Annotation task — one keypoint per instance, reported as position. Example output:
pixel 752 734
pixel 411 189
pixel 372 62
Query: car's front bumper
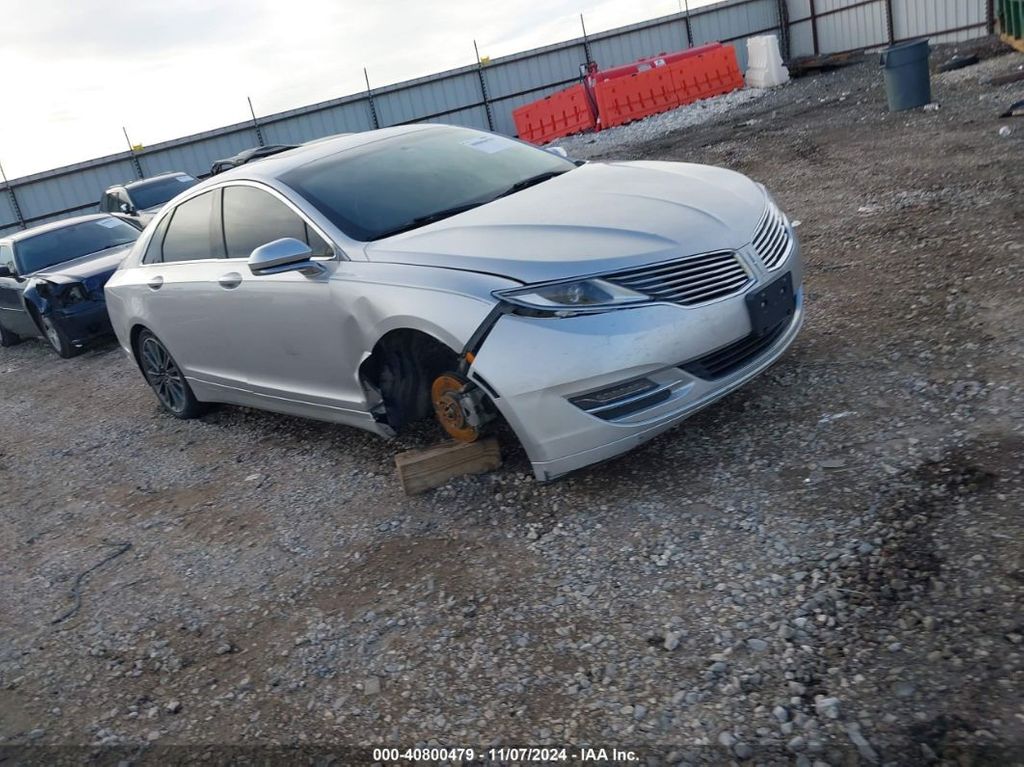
pixel 83 323
pixel 536 366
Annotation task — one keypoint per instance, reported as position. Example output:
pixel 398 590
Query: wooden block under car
pixel 421 470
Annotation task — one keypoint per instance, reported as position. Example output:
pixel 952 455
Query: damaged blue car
pixel 52 278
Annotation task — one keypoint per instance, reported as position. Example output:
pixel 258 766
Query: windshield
pixel 149 194
pixel 405 181
pixel 71 242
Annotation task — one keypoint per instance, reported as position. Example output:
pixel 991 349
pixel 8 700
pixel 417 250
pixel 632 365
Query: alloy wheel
pixel 163 375
pixel 51 333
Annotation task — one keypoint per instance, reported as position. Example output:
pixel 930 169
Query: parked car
pixel 52 277
pixel 373 278
pixel 143 199
pixel 248 155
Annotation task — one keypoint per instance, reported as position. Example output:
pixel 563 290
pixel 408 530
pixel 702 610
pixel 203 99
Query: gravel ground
pixel 824 567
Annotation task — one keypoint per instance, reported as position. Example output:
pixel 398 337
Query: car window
pixel 72 241
pixel 412 179
pixel 150 194
pixel 7 257
pixel 253 217
pixel 156 242
pixel 191 234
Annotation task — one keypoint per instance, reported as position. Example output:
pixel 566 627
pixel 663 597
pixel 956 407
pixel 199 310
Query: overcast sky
pixel 75 71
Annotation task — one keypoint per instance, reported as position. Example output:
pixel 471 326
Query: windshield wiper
pixel 429 218
pixel 531 181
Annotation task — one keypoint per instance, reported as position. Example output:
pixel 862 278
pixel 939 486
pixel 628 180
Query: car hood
pixel 596 218
pixel 81 269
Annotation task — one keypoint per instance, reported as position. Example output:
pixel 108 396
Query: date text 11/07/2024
pixel 537 754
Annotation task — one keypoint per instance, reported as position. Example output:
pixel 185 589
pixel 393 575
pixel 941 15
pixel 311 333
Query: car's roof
pixel 146 181
pixel 278 164
pixel 53 225
pixel 143 181
pixel 254 151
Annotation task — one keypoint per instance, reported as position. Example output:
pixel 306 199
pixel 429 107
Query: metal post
pixel 689 29
pixel 483 89
pixel 784 41
pixel 814 28
pixel 990 16
pixel 889 28
pixel 255 123
pixel 135 158
pixel 586 41
pixel 14 200
pixel 369 99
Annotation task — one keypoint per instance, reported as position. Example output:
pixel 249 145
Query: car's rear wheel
pixel 8 338
pixel 166 379
pixel 57 338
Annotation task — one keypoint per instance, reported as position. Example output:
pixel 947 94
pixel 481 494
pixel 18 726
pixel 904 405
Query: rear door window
pixel 194 232
pixel 253 217
pixel 154 254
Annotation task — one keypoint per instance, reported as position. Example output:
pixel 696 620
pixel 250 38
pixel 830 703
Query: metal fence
pixel 483 96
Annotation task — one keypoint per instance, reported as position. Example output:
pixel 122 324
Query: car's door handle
pixel 230 280
pixel 155 282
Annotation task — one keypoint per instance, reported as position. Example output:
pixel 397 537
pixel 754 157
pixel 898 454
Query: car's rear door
pixel 286 335
pixel 177 287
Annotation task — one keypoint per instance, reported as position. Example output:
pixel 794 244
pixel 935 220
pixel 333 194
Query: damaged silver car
pixel 376 278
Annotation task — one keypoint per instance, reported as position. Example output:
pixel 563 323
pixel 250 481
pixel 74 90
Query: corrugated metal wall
pixel 458 96
pixel 837 26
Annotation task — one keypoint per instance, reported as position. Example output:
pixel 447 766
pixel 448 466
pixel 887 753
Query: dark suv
pixel 248 155
pixel 143 199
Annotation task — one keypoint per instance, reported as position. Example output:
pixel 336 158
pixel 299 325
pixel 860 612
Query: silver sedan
pixel 378 278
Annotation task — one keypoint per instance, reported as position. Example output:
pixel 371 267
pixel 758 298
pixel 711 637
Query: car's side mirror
pixel 126 208
pixel 6 271
pixel 284 255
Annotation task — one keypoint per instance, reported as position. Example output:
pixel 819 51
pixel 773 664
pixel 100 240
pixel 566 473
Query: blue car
pixel 52 278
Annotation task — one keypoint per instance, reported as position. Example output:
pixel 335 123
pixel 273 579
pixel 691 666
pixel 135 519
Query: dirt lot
pixel 827 564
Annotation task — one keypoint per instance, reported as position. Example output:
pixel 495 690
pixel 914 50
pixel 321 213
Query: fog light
pixel 622 399
pixel 611 395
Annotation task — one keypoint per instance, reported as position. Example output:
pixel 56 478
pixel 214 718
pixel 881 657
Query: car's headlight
pixel 575 296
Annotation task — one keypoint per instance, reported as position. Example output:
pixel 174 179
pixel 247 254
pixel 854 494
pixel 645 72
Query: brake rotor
pixel 446 394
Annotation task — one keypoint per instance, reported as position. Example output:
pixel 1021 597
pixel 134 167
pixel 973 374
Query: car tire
pixel 165 378
pixel 402 388
pixel 57 338
pixel 8 338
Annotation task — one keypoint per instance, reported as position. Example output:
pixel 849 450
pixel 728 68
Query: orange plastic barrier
pixel 631 92
pixel 626 99
pixel 560 114
pixel 710 71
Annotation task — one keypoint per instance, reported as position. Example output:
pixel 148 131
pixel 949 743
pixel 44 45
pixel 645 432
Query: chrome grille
pixel 771 240
pixel 689 281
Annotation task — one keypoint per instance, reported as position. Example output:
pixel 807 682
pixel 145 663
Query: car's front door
pixel 286 334
pixel 13 315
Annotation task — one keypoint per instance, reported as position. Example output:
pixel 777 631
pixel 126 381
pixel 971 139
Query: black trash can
pixel 907 80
